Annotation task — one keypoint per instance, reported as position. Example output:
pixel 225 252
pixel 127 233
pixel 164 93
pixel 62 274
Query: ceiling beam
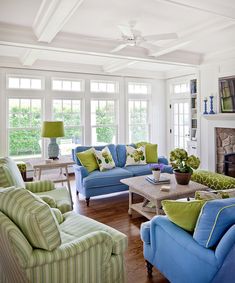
pixel 52 16
pixel 221 8
pixel 29 57
pixel 194 34
pixel 118 65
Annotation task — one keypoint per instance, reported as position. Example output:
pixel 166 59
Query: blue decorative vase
pixel 53 149
pixel 211 105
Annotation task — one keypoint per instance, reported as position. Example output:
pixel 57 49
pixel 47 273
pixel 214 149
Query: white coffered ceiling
pixel 81 33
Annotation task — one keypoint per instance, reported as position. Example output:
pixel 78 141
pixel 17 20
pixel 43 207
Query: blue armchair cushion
pixel 215 218
pixel 107 178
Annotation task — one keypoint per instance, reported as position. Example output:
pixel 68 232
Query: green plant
pixel 183 163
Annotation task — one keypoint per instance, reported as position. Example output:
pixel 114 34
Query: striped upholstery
pixel 10 176
pixel 40 186
pixel 32 215
pixel 49 200
pixel 85 259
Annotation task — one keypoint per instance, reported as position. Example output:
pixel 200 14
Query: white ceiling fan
pixel 132 37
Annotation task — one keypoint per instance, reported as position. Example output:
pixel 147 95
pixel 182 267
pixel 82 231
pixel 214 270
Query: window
pixel 103 121
pixel 24 83
pixel 181 88
pixel 24 126
pixel 68 111
pixel 104 86
pixel 138 88
pixel 138 120
pixel 66 85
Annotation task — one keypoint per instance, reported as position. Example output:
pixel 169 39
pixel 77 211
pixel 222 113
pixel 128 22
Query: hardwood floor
pixel 112 210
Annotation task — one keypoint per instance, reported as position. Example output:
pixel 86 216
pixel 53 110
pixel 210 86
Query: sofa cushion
pixel 32 215
pixel 220 194
pixel 135 156
pixel 104 159
pixel 111 147
pixel 213 180
pixel 150 151
pixel 75 226
pixel 88 160
pixel 121 154
pixel 107 178
pixel 215 218
pixel 139 170
pixel 183 213
pixel 11 172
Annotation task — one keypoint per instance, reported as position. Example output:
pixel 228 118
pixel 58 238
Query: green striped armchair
pixel 56 197
pixel 39 244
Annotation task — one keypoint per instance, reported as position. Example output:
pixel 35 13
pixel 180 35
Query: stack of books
pixel 162 180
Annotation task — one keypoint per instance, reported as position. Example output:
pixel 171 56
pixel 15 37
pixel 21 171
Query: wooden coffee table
pixel 139 185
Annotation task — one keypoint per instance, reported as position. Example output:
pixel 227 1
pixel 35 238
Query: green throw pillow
pixel 88 160
pixel 150 151
pixel 183 213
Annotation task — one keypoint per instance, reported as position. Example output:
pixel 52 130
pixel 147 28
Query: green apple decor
pixel 183 165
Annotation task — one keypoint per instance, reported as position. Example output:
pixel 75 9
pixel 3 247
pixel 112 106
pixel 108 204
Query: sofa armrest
pixel 225 245
pixel 74 248
pixel 40 186
pixel 163 160
pixel 145 232
pixel 161 227
pixel 81 170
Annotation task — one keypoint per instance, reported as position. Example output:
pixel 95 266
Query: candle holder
pixel 205 107
pixel 211 105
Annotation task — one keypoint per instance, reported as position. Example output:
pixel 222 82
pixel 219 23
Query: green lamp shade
pixel 52 129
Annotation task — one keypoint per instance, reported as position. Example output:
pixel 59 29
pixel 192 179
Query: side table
pixel 61 164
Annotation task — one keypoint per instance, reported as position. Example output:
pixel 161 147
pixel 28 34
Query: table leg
pixel 158 207
pixel 130 203
pixel 39 173
pixel 68 183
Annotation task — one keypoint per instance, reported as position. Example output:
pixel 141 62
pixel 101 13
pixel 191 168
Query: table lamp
pixel 53 130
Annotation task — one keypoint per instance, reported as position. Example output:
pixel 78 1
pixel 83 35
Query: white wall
pixel 157 103
pixel 209 76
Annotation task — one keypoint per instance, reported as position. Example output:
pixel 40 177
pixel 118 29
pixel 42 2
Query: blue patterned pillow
pixel 215 218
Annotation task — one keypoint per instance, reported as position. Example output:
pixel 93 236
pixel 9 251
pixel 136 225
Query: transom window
pixel 66 85
pixel 138 88
pixel 181 88
pixel 24 83
pixel 104 86
pixel 103 121
pixel 24 126
pixel 138 120
pixel 69 111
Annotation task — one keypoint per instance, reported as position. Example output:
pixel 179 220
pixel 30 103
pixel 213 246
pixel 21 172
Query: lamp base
pixel 53 149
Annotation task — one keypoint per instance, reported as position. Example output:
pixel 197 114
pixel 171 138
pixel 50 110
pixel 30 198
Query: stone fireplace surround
pixel 225 143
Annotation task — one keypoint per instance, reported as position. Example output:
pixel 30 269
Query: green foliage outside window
pixel 138 124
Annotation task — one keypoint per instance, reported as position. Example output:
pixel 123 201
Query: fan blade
pixel 119 47
pixel 126 31
pixel 149 46
pixel 155 37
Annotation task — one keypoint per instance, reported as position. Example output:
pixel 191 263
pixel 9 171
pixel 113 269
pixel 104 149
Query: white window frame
pixel 25 76
pixel 116 86
pixel 8 128
pixel 139 83
pixel 70 79
pixel 116 125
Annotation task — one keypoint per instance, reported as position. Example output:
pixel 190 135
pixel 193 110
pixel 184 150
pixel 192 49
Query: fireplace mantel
pixel 220 116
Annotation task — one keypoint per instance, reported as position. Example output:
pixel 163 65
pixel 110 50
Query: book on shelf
pixel 162 180
pixel 148 206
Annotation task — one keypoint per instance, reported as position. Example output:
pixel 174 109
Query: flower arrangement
pixel 183 163
pixel 156 166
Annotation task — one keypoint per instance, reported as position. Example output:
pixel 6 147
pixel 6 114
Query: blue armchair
pixel 182 257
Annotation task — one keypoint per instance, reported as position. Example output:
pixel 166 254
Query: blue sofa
pixel 182 257
pixel 99 183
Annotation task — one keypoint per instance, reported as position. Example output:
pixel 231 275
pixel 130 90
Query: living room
pixel 117 74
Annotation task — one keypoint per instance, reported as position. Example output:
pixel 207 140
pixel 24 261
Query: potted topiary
pixel 183 165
